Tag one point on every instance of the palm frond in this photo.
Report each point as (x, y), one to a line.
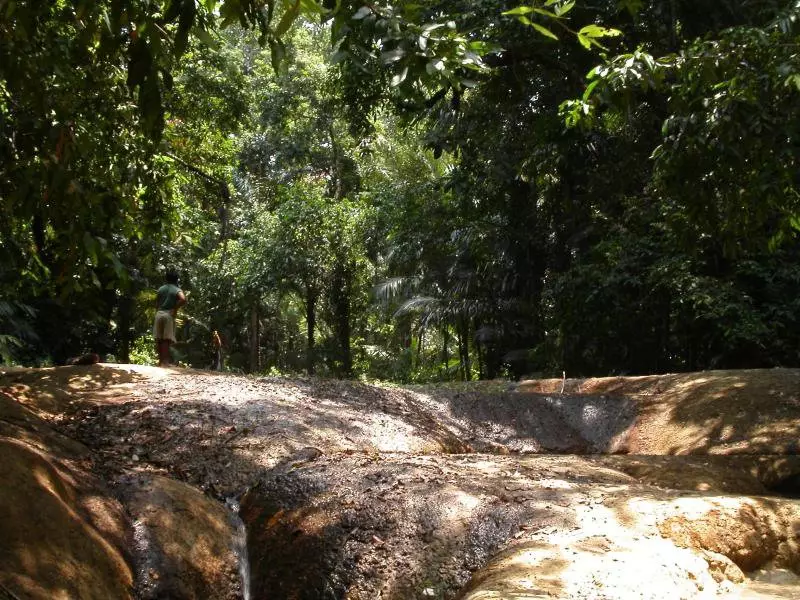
(417, 304)
(395, 287)
(15, 328)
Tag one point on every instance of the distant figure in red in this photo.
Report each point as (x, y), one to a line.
(169, 299)
(216, 342)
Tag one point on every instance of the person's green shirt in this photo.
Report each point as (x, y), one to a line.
(167, 296)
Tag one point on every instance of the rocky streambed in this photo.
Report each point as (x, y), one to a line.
(121, 480)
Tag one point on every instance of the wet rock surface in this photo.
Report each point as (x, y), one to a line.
(182, 541)
(78, 523)
(353, 491)
(398, 527)
(62, 535)
(485, 526)
(753, 411)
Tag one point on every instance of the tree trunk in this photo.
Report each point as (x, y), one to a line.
(445, 353)
(338, 190)
(344, 342)
(311, 322)
(340, 303)
(464, 347)
(254, 341)
(479, 350)
(420, 342)
(124, 311)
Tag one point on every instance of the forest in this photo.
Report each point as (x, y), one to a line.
(403, 191)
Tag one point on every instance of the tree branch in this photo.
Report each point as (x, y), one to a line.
(223, 186)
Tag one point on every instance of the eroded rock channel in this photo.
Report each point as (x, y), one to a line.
(675, 486)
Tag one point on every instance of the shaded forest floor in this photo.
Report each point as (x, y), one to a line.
(645, 487)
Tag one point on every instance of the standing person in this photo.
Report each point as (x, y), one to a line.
(169, 299)
(216, 342)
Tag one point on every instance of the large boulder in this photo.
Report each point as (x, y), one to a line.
(61, 534)
(482, 526)
(184, 542)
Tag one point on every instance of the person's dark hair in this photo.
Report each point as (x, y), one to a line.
(171, 277)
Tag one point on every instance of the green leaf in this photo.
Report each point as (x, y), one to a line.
(589, 89)
(107, 22)
(400, 77)
(632, 6)
(205, 36)
(426, 29)
(287, 19)
(480, 47)
(185, 23)
(312, 7)
(150, 106)
(596, 31)
(90, 245)
(172, 10)
(434, 66)
(339, 56)
(544, 31)
(793, 80)
(562, 9)
(520, 10)
(119, 268)
(585, 41)
(392, 56)
(546, 13)
(362, 12)
(139, 63)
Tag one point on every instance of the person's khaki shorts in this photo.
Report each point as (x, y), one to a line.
(164, 327)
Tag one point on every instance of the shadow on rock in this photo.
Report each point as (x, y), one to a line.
(183, 542)
(368, 527)
(62, 535)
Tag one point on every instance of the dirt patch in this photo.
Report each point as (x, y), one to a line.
(531, 423)
(737, 474)
(619, 550)
(54, 393)
(714, 412)
(19, 423)
(220, 432)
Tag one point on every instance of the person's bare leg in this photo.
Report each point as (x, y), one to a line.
(163, 353)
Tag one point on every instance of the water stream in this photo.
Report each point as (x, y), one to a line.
(240, 546)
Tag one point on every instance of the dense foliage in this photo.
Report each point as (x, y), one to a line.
(404, 191)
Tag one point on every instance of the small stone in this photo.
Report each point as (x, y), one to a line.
(428, 592)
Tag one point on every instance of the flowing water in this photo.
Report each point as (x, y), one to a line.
(240, 546)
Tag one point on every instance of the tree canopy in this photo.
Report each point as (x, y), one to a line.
(401, 190)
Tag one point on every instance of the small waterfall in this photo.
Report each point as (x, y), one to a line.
(240, 546)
